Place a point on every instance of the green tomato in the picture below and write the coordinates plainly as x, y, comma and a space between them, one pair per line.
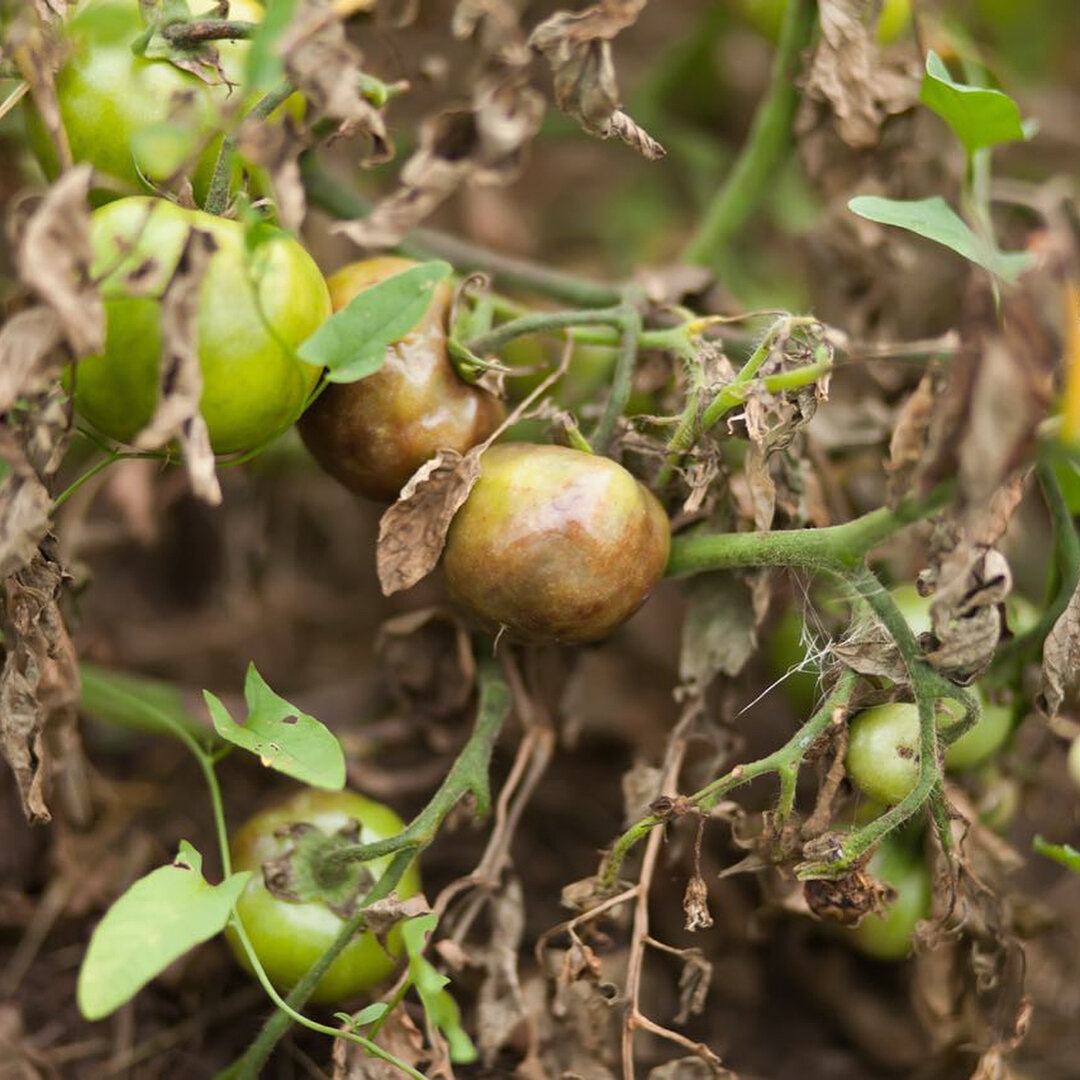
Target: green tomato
127, 114
255, 307
883, 746
887, 936
555, 544
289, 937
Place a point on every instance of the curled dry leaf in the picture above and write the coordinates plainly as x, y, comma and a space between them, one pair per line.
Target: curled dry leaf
427, 662
328, 70
577, 45
500, 1006
696, 904
483, 143
1061, 660
385, 914
31, 357
39, 683
398, 1035
412, 533
496, 26
844, 71
179, 374
25, 506
54, 259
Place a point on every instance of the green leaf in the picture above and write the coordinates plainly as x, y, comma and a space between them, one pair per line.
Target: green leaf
375, 1011
977, 115
285, 738
158, 919
351, 344
264, 67
133, 701
936, 220
1062, 853
441, 1009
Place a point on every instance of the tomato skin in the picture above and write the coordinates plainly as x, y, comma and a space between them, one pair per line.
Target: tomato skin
288, 938
372, 435
883, 746
252, 384
887, 936
555, 544
107, 95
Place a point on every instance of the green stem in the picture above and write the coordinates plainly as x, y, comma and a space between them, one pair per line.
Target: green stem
217, 196
748, 181
622, 381
250, 1064
189, 34
543, 322
736, 391
469, 773
90, 473
782, 761
341, 202
837, 547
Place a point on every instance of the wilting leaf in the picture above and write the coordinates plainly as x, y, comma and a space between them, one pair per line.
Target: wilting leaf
39, 684
281, 736
577, 45
179, 372
1061, 659
158, 919
412, 533
934, 219
25, 507
54, 259
719, 632
978, 116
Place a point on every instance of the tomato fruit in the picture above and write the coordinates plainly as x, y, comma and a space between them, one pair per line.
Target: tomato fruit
124, 113
555, 544
372, 435
883, 746
887, 936
289, 937
254, 308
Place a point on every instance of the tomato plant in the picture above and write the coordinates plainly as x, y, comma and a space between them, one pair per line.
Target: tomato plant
289, 937
256, 304
135, 118
373, 434
555, 544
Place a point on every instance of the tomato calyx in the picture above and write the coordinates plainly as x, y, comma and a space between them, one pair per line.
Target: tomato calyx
165, 38
312, 869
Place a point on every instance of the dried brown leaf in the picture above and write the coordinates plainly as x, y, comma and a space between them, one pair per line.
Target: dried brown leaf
496, 26
412, 533
719, 632
25, 507
327, 69
398, 1035
1061, 660
844, 71
385, 914
500, 1005
179, 373
39, 683
482, 143
277, 147
577, 45
54, 259
30, 355
696, 904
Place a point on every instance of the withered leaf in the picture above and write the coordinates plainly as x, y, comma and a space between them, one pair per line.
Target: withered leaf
24, 508
30, 354
179, 374
500, 1006
720, 629
384, 914
39, 684
482, 143
412, 533
577, 45
496, 26
328, 70
1061, 659
54, 259
277, 147
844, 70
